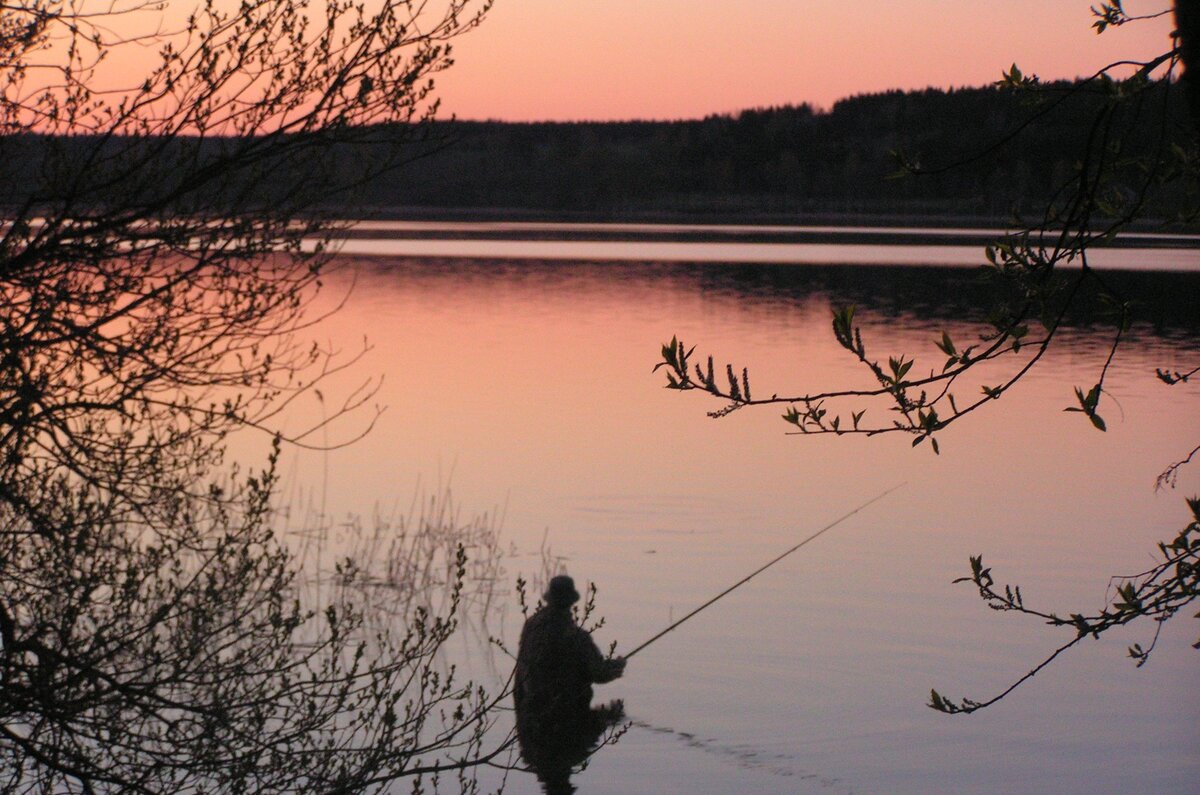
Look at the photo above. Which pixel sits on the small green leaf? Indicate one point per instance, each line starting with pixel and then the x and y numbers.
pixel 947 345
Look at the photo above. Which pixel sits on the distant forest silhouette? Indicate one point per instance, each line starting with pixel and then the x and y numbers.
pixel 782 160
pixel 757 164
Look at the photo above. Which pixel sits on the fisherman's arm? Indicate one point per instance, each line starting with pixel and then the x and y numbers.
pixel 600 668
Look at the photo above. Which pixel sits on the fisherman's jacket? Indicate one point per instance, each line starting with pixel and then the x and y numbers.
pixel 557 663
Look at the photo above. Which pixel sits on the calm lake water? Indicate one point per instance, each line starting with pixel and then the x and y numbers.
pixel 526 386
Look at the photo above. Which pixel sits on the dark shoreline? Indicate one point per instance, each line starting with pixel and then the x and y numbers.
pixel 486 224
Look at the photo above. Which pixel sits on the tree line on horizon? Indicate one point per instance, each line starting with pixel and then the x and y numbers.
pixel 978 149
pixel 979 153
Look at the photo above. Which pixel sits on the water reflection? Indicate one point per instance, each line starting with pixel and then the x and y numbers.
pixel 532 380
pixel 1164 302
pixel 557 750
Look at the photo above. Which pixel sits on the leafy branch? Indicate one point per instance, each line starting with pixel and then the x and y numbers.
pixel 918 405
pixel 1158 593
pixel 1113 14
pixel 1135 147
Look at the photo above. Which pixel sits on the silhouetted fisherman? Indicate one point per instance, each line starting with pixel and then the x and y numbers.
pixel 557 664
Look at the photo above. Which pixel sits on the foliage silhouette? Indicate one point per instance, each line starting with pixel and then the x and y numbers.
pixel 1135 149
pixel 160 253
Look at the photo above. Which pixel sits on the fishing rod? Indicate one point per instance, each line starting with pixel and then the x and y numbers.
pixel 761 569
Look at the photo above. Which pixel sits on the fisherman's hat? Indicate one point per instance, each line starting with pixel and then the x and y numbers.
pixel 561 592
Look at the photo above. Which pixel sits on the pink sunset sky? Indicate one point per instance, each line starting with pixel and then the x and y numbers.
pixel 667 59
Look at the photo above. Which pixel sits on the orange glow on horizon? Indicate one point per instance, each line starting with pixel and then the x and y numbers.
pixel 536 60
pixel 624 59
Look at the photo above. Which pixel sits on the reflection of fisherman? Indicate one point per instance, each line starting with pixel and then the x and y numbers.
pixel 557 664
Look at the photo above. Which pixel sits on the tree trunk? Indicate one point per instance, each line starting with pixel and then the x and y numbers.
pixel 1187 26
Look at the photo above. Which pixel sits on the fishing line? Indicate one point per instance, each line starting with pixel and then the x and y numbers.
pixel 761 569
